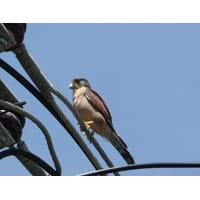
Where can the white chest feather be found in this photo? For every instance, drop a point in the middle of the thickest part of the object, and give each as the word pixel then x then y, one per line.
pixel 82 105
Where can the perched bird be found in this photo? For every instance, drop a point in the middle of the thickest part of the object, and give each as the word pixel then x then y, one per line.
pixel 96 115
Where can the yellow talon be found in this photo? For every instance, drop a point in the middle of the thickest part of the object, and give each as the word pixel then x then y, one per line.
pixel 87 124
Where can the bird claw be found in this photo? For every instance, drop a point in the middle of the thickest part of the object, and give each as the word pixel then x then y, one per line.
pixel 88 137
pixel 86 126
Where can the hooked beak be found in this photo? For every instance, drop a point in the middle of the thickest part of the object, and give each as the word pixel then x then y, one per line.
pixel 71 85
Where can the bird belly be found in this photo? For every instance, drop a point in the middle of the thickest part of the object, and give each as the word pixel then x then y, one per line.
pixel 88 113
pixel 84 110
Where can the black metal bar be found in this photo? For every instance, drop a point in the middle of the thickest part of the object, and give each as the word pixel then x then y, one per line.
pixel 142 166
pixel 34 91
pixel 45 88
pixel 30 156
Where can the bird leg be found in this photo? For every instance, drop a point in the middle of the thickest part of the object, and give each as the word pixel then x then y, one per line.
pixel 87 125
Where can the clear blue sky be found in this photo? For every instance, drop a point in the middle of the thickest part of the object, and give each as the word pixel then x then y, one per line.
pixel 148 75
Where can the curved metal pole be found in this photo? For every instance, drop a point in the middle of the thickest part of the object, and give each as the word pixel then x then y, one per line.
pixel 142 166
pixel 45 87
pixel 30 165
pixel 30 156
pixel 11 107
pixel 9 69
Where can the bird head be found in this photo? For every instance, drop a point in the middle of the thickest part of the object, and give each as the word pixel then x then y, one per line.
pixel 78 83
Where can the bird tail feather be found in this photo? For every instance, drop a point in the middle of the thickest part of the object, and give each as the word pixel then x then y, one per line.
pixel 122 148
pixel 126 155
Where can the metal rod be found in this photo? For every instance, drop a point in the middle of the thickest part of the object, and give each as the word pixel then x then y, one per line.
pixel 142 166
pixel 30 156
pixel 34 91
pixel 30 165
pixel 44 86
pixel 11 107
